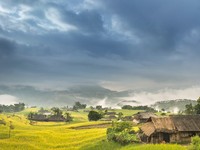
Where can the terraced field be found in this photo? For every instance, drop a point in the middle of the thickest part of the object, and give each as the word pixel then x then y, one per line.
pixel 80 134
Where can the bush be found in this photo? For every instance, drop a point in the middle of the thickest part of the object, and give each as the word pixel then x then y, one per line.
pixel 124 138
pixel 122 126
pixel 94 116
pixel 195 143
pixel 121 133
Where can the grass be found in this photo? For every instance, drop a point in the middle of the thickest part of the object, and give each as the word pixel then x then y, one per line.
pixel 154 147
pixel 61 136
pixel 105 145
pixel 127 112
pixel 47 135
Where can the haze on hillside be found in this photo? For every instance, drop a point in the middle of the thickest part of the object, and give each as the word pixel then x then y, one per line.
pixel 99 51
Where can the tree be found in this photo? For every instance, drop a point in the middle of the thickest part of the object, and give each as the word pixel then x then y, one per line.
pixel 120 114
pixel 163 110
pixel 94 116
pixel 78 105
pixel 68 117
pixel 127 107
pixel 189 109
pixel 91 107
pixel 30 115
pixel 98 107
pixel 19 107
pixel 12 108
pixel 56 111
pixel 197 106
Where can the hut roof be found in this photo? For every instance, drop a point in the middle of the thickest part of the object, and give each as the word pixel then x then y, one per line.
pixel 127 118
pixel 171 124
pixel 164 124
pixel 145 115
pixel 111 113
pixel 39 117
pixel 148 128
pixel 186 122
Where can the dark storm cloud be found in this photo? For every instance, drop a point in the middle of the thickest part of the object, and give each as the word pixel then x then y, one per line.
pixel 164 23
pixel 94 41
pixel 6 47
pixel 86 21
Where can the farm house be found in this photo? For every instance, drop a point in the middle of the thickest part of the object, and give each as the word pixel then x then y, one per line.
pixel 171 129
pixel 142 117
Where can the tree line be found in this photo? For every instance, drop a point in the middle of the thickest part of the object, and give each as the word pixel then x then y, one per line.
pixel 190 109
pixel 129 107
pixel 12 108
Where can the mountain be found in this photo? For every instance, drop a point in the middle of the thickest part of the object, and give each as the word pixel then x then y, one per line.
pixel 173 105
pixel 90 95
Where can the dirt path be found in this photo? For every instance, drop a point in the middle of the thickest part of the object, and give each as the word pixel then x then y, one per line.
pixel 103 125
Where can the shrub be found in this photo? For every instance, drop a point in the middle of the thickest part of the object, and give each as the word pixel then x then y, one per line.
pixel 124 138
pixel 195 143
pixel 122 126
pixel 121 133
pixel 94 116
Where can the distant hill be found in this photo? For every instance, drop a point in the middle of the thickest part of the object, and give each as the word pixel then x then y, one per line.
pixel 90 95
pixel 173 105
pixel 128 102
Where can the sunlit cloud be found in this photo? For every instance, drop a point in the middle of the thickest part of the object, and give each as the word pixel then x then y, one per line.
pixel 8 99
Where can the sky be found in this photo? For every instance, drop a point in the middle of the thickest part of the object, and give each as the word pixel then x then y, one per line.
pixel 120 45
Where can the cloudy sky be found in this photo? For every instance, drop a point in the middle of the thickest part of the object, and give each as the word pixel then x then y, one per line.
pixel 120 45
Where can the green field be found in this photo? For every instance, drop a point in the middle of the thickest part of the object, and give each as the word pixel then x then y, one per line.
pixel 63 136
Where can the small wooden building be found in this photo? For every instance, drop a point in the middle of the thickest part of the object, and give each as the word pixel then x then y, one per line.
pixel 41 117
pixel 142 117
pixel 171 129
pixel 112 113
pixel 127 118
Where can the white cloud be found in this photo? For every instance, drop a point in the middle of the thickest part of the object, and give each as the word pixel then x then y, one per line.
pixel 167 94
pixel 54 17
pixel 4 10
pixel 8 99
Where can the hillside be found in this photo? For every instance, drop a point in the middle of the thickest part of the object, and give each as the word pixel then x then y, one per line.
pixel 62 136
pixel 47 97
pixel 173 105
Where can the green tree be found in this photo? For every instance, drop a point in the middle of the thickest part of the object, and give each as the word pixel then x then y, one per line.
pixel 98 107
pixel 68 117
pixel 56 111
pixel 189 109
pixel 78 105
pixel 120 114
pixel 94 116
pixel 197 106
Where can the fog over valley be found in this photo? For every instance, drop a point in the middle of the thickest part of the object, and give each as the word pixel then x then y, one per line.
pixel 91 95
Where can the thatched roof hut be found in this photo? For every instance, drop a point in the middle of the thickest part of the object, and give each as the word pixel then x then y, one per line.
pixel 127 118
pixel 186 122
pixel 179 128
pixel 41 117
pixel 142 117
pixel 38 117
pixel 55 118
pixel 111 113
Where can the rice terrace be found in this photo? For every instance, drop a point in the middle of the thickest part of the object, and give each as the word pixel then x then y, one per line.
pixel 77 134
